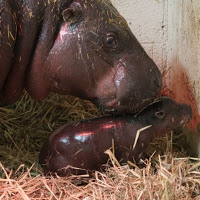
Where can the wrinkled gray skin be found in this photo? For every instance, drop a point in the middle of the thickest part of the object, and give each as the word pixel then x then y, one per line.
pixel 82 48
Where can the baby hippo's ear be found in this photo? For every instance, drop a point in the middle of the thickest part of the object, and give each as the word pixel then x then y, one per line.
pixel 160 114
pixel 73 13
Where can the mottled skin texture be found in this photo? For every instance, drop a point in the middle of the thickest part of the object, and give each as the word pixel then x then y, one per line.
pixel 82 144
pixel 82 48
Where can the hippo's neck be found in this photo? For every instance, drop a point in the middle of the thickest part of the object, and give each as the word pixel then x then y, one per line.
pixel 24 19
pixel 38 83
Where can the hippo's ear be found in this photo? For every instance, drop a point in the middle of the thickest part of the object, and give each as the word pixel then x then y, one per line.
pixel 73 13
pixel 160 114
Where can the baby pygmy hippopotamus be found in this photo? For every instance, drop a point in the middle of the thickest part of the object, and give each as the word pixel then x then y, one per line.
pixel 82 144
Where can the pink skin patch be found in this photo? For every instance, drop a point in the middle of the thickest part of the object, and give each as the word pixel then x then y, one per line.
pixel 64 34
pixel 119 76
pixel 85 134
pixel 108 126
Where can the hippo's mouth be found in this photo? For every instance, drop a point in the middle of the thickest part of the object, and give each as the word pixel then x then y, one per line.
pixel 129 86
pixel 114 106
pixel 119 76
pixel 122 99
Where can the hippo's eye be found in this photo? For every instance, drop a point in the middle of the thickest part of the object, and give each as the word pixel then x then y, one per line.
pixel 160 114
pixel 110 40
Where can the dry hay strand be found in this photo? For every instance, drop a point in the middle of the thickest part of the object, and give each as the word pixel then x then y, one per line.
pixel 172 178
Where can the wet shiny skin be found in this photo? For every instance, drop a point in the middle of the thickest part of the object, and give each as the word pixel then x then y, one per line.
pixel 82 48
pixel 82 144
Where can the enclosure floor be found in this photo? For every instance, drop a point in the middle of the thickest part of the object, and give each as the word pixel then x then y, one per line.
pixel 24 126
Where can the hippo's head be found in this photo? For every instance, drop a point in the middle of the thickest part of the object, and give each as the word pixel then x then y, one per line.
pixel 89 51
pixel 166 115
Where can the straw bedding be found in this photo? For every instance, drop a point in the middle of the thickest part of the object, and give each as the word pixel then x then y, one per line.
pixel 24 126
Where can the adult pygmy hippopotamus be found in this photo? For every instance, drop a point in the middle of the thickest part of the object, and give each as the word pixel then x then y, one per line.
pixel 78 47
pixel 82 144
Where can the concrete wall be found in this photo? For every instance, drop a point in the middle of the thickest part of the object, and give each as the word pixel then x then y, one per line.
pixel 169 30
pixel 183 59
pixel 147 21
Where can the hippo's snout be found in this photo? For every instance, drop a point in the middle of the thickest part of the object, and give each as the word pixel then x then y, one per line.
pixel 137 81
pixel 186 111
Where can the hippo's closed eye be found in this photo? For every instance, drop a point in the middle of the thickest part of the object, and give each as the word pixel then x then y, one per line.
pixel 160 114
pixel 110 41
